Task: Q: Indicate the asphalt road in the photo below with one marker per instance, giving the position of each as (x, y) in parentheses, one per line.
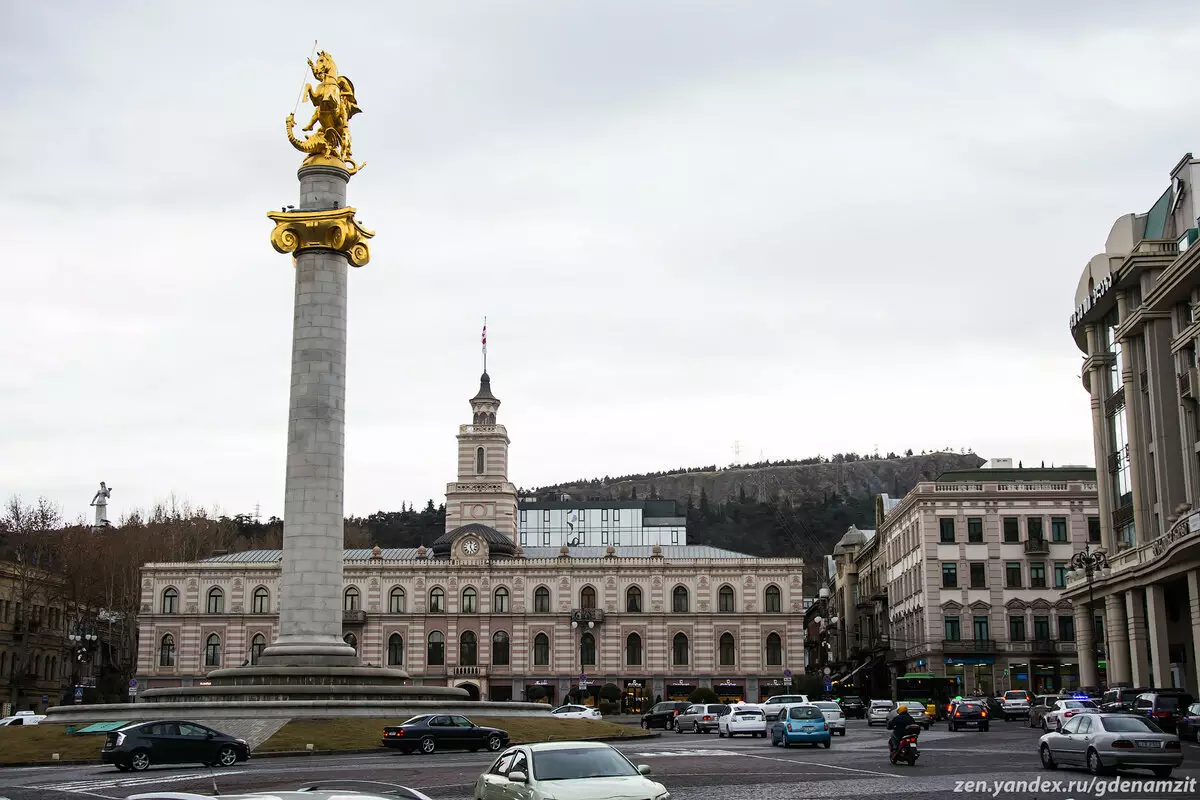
(703, 767)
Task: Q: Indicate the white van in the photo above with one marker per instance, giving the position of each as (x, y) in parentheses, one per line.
(22, 718)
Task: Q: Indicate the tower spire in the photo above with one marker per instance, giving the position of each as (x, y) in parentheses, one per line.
(484, 345)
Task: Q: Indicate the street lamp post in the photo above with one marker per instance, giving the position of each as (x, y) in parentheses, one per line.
(1090, 562)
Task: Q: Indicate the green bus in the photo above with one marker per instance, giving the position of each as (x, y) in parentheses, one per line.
(929, 689)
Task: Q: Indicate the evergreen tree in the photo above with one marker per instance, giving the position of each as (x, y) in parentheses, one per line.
(633, 493)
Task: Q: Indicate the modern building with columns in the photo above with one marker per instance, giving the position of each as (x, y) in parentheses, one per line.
(975, 565)
(1137, 322)
(481, 611)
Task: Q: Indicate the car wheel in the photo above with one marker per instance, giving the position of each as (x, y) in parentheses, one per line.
(139, 761)
(720, 733)
(1047, 759)
(428, 745)
(786, 743)
(227, 756)
(645, 725)
(494, 743)
(827, 743)
(1045, 727)
(1094, 765)
(950, 727)
(1161, 772)
(695, 727)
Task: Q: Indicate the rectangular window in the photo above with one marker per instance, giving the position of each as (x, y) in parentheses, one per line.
(949, 576)
(1041, 629)
(582, 514)
(523, 539)
(603, 537)
(546, 517)
(1058, 529)
(1060, 575)
(1033, 526)
(523, 513)
(979, 576)
(1012, 575)
(975, 529)
(1066, 629)
(616, 537)
(616, 515)
(1037, 575)
(953, 633)
(946, 524)
(1016, 629)
(1012, 530)
(1094, 530)
(674, 537)
(546, 539)
(980, 629)
(604, 515)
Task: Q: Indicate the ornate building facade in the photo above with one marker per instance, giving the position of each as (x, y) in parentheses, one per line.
(504, 621)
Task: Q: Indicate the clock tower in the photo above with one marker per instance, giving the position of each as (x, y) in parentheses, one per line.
(482, 495)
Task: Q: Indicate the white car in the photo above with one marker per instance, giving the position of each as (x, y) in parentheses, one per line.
(775, 704)
(1065, 709)
(22, 718)
(834, 716)
(567, 771)
(1015, 704)
(577, 712)
(879, 712)
(749, 720)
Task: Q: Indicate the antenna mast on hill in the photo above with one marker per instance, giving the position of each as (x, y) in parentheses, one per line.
(257, 512)
(736, 447)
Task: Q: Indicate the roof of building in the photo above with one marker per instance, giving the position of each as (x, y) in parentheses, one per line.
(854, 537)
(410, 553)
(485, 389)
(497, 541)
(649, 508)
(1018, 475)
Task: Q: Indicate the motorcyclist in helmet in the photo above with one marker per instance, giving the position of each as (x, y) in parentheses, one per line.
(897, 724)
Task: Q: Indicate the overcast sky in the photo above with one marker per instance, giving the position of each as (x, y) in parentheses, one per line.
(808, 227)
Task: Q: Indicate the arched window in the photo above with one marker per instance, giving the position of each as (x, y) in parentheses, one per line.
(541, 600)
(679, 650)
(725, 600)
(679, 600)
(469, 604)
(395, 650)
(587, 598)
(261, 601)
(396, 601)
(468, 646)
(170, 600)
(257, 645)
(500, 605)
(212, 651)
(633, 650)
(728, 650)
(480, 460)
(587, 649)
(437, 649)
(437, 601)
(774, 651)
(166, 652)
(771, 599)
(351, 640)
(350, 602)
(216, 601)
(541, 650)
(500, 648)
(633, 599)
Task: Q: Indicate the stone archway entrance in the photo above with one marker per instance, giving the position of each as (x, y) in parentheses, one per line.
(471, 689)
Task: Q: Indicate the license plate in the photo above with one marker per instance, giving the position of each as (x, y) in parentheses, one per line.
(1150, 745)
(808, 729)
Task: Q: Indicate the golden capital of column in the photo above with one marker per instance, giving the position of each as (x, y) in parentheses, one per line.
(334, 229)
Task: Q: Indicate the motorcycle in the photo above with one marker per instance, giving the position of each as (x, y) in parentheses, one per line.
(907, 750)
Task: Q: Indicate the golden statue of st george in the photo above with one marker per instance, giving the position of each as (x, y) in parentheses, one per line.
(333, 106)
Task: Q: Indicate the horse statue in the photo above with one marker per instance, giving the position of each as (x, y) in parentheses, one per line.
(333, 105)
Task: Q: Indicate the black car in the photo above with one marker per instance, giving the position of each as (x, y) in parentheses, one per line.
(663, 715)
(1165, 708)
(853, 707)
(1120, 700)
(964, 713)
(429, 732)
(1188, 726)
(140, 744)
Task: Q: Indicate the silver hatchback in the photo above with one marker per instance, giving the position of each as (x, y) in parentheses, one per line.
(879, 712)
(700, 717)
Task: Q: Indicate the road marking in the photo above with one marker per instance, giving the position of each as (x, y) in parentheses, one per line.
(82, 787)
(819, 764)
(685, 753)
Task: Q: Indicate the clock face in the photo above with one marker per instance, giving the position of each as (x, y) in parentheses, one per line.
(470, 547)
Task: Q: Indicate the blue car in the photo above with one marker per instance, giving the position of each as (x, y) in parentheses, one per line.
(801, 724)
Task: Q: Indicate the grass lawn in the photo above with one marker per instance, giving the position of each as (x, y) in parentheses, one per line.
(24, 744)
(360, 734)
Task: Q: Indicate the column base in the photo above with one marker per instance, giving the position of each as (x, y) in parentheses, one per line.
(310, 653)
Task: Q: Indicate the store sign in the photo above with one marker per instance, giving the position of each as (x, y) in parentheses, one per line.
(633, 685)
(1089, 302)
(971, 660)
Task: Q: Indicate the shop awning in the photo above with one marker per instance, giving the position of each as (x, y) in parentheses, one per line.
(102, 727)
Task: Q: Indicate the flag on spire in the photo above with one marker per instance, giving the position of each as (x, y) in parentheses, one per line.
(483, 340)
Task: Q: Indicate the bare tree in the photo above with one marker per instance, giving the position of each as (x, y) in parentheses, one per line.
(31, 547)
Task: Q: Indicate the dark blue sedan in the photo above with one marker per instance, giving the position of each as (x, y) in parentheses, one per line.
(429, 733)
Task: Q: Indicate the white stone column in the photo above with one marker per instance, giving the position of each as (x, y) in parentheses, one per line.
(1193, 578)
(1156, 630)
(1085, 646)
(1118, 640)
(310, 619)
(1139, 665)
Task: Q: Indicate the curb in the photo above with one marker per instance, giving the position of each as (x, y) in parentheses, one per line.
(294, 753)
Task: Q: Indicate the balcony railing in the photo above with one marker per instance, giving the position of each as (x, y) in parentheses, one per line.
(1034, 486)
(968, 645)
(468, 672)
(354, 616)
(1042, 646)
(1037, 546)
